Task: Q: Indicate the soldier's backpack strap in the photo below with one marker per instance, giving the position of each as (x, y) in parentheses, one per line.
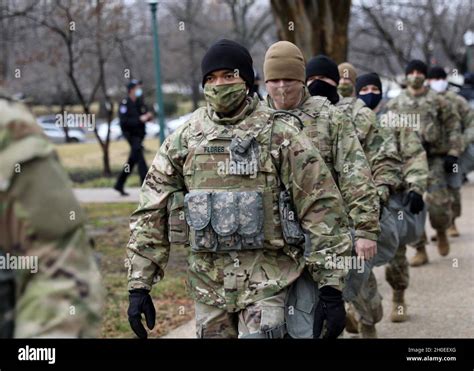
(280, 112)
(292, 232)
(299, 124)
(313, 110)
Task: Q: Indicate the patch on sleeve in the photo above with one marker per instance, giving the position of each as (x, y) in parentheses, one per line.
(123, 109)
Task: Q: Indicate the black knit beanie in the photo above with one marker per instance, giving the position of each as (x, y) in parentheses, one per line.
(227, 54)
(368, 79)
(418, 65)
(323, 66)
(436, 72)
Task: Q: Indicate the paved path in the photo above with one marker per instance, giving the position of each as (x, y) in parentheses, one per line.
(105, 195)
(441, 294)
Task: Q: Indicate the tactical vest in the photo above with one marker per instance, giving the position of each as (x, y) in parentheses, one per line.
(314, 113)
(235, 199)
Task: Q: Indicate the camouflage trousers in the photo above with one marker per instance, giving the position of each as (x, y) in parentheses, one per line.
(265, 314)
(396, 272)
(439, 198)
(456, 205)
(367, 305)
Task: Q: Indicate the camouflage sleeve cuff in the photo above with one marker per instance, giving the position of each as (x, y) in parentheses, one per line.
(454, 152)
(416, 189)
(367, 235)
(132, 285)
(142, 272)
(328, 277)
(384, 192)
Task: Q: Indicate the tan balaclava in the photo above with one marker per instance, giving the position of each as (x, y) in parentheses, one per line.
(347, 71)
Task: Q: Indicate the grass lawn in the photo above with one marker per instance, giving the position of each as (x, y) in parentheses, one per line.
(83, 162)
(108, 225)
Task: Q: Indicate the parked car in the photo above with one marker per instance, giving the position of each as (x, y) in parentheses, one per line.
(172, 125)
(115, 131)
(56, 133)
(152, 130)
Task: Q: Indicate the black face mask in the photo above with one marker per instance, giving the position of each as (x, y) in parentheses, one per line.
(371, 100)
(320, 87)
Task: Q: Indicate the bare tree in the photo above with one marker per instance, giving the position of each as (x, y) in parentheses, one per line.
(249, 23)
(386, 34)
(87, 49)
(190, 24)
(316, 26)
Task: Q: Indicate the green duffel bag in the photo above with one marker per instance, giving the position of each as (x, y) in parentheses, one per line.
(300, 304)
(467, 159)
(388, 241)
(410, 226)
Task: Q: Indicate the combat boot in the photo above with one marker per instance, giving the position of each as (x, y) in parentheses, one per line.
(367, 331)
(351, 323)
(453, 231)
(443, 243)
(399, 310)
(420, 258)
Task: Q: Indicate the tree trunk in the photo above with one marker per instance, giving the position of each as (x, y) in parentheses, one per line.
(315, 26)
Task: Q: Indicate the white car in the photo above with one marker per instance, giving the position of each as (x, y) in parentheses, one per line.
(115, 130)
(172, 125)
(56, 134)
(152, 130)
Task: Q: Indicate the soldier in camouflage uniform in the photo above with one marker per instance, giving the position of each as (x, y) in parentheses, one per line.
(377, 142)
(439, 129)
(380, 148)
(41, 219)
(415, 181)
(437, 79)
(408, 176)
(227, 167)
(332, 133)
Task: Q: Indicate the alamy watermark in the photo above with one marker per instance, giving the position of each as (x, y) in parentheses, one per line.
(335, 261)
(75, 120)
(28, 353)
(230, 167)
(400, 120)
(13, 262)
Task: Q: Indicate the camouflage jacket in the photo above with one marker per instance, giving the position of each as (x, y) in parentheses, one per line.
(333, 134)
(40, 217)
(379, 145)
(466, 114)
(432, 117)
(190, 160)
(410, 149)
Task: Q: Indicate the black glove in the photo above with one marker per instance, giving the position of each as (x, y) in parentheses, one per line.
(449, 163)
(330, 308)
(140, 302)
(416, 202)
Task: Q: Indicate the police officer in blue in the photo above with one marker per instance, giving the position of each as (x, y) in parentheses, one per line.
(133, 115)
